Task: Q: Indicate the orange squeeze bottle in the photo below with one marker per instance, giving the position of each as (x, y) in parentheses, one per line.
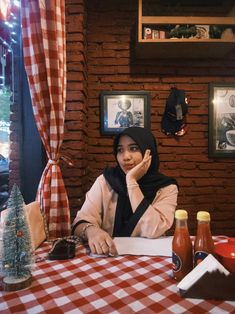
(182, 253)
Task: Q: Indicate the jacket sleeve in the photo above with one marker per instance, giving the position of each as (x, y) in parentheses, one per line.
(159, 216)
(91, 210)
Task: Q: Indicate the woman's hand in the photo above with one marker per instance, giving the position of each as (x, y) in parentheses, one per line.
(139, 170)
(100, 241)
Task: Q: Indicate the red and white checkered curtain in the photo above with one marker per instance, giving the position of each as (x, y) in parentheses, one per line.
(43, 29)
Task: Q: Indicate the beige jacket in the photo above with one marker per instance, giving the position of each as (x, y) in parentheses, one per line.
(100, 205)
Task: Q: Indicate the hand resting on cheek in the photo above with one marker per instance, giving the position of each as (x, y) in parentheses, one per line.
(141, 169)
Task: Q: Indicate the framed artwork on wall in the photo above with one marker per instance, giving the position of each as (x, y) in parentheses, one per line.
(122, 109)
(221, 120)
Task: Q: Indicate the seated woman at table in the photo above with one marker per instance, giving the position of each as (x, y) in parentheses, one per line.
(131, 199)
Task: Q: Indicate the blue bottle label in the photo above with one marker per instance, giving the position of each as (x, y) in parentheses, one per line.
(199, 257)
(176, 262)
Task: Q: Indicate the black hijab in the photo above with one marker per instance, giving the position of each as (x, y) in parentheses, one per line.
(150, 183)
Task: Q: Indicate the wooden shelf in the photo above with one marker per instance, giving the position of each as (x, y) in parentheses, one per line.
(181, 49)
(208, 20)
(190, 48)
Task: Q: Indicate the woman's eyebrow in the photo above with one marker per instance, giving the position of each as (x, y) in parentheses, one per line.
(129, 145)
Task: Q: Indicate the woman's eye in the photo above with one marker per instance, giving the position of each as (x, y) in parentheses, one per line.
(119, 150)
(134, 148)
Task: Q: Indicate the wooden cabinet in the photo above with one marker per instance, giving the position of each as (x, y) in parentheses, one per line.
(196, 13)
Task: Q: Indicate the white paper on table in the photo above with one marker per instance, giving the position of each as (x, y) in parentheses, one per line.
(143, 246)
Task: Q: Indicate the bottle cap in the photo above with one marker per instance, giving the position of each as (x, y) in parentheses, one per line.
(203, 216)
(181, 214)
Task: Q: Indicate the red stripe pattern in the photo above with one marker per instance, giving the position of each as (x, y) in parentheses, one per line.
(43, 28)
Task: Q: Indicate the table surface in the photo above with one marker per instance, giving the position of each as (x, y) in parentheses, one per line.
(123, 284)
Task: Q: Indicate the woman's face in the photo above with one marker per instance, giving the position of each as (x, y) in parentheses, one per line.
(128, 153)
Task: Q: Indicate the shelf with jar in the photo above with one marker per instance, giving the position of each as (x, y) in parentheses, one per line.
(189, 32)
(185, 36)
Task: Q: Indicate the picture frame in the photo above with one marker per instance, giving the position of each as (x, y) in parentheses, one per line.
(221, 120)
(122, 109)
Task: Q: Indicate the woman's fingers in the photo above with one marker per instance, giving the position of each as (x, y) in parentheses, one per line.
(102, 244)
(147, 159)
(112, 247)
(140, 170)
(99, 248)
(145, 163)
(104, 248)
(147, 156)
(147, 152)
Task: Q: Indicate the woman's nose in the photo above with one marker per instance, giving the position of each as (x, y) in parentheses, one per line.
(126, 155)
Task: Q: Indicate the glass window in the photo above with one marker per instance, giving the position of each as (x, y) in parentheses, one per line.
(9, 27)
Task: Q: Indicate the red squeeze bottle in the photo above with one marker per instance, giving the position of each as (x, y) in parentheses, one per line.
(203, 244)
(182, 252)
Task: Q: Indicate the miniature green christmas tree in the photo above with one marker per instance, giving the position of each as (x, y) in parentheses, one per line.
(17, 249)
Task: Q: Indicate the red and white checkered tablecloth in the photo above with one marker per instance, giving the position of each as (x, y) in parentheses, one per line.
(124, 284)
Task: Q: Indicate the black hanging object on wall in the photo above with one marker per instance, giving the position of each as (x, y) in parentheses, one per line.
(173, 120)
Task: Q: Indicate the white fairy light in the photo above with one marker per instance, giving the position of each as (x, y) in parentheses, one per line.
(17, 3)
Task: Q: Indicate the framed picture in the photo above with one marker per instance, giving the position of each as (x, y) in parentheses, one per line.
(123, 109)
(221, 120)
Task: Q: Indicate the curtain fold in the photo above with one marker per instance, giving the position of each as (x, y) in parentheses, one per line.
(44, 48)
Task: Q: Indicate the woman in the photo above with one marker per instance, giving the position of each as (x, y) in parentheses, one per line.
(131, 199)
(124, 118)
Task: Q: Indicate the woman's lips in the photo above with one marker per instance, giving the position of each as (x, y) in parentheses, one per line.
(128, 167)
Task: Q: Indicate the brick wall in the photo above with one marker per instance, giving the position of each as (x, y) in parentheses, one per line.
(75, 140)
(110, 64)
